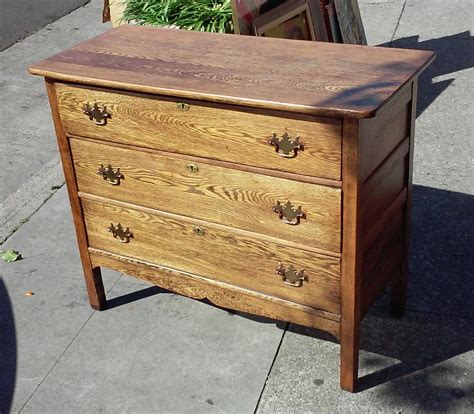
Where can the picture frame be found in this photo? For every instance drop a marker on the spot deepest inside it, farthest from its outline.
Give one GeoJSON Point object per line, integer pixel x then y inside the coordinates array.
{"type": "Point", "coordinates": [290, 20]}
{"type": "Point", "coordinates": [244, 12]}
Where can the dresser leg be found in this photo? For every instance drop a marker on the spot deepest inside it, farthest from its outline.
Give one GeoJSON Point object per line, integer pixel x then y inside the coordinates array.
{"type": "Point", "coordinates": [349, 358]}
{"type": "Point", "coordinates": [95, 287]}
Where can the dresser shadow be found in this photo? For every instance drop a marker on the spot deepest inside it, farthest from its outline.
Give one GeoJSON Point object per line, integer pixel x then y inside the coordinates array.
{"type": "Point", "coordinates": [453, 54]}
{"type": "Point", "coordinates": [439, 322]}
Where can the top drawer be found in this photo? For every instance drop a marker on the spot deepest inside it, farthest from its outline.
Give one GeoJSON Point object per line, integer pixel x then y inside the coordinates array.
{"type": "Point", "coordinates": [205, 130]}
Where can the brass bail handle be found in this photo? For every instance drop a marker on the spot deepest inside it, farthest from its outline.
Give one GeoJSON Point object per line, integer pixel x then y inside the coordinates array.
{"type": "Point", "coordinates": [290, 276]}
{"type": "Point", "coordinates": [120, 233]}
{"type": "Point", "coordinates": [97, 113]}
{"type": "Point", "coordinates": [286, 146]}
{"type": "Point", "coordinates": [110, 174]}
{"type": "Point", "coordinates": [288, 213]}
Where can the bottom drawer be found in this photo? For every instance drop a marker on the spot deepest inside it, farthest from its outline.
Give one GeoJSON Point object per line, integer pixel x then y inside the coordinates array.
{"type": "Point", "coordinates": [214, 252]}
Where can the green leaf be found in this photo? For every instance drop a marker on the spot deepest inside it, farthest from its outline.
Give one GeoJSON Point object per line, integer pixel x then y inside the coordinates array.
{"type": "Point", "coordinates": [200, 15]}
{"type": "Point", "coordinates": [11, 256]}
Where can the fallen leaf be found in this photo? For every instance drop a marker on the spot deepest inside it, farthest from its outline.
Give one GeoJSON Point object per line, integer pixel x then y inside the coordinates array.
{"type": "Point", "coordinates": [29, 293]}
{"type": "Point", "coordinates": [11, 256]}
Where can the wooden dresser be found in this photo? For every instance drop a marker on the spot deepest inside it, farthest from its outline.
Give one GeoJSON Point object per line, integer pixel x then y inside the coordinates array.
{"type": "Point", "coordinates": [269, 176]}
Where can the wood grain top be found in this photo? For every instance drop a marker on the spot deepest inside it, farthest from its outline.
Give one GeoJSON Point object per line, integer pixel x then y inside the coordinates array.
{"type": "Point", "coordinates": [316, 78]}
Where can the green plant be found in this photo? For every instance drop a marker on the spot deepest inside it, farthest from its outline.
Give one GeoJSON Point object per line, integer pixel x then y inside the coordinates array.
{"type": "Point", "coordinates": [198, 15]}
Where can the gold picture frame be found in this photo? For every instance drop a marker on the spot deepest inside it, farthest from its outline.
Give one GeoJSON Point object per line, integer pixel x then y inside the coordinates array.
{"type": "Point", "coordinates": [291, 20]}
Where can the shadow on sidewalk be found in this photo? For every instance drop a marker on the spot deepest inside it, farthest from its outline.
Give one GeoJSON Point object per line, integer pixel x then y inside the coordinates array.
{"type": "Point", "coordinates": [454, 53]}
{"type": "Point", "coordinates": [440, 325]}
{"type": "Point", "coordinates": [8, 351]}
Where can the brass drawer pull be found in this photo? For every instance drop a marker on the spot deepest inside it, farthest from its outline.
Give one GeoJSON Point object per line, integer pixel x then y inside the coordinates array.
{"type": "Point", "coordinates": [183, 107]}
{"type": "Point", "coordinates": [111, 175]}
{"type": "Point", "coordinates": [120, 233]}
{"type": "Point", "coordinates": [97, 113]}
{"type": "Point", "coordinates": [290, 276]}
{"type": "Point", "coordinates": [289, 147]}
{"type": "Point", "coordinates": [288, 214]}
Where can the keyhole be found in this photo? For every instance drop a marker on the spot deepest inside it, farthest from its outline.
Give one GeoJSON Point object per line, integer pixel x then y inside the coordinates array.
{"type": "Point", "coordinates": [192, 168]}
{"type": "Point", "coordinates": [183, 107]}
{"type": "Point", "coordinates": [198, 231]}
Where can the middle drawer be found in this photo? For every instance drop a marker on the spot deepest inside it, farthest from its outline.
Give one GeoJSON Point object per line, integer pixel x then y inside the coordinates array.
{"type": "Point", "coordinates": [303, 213]}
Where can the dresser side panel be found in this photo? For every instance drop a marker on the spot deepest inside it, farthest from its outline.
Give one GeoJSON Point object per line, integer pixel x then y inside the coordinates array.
{"type": "Point", "coordinates": [386, 191]}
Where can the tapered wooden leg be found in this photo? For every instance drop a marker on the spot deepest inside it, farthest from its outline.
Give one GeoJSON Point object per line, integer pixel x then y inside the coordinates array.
{"type": "Point", "coordinates": [95, 287]}
{"type": "Point", "coordinates": [351, 266]}
{"type": "Point", "coordinates": [349, 355]}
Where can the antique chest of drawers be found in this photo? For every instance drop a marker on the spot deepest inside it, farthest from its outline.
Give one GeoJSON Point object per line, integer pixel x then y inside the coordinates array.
{"type": "Point", "coordinates": [269, 176]}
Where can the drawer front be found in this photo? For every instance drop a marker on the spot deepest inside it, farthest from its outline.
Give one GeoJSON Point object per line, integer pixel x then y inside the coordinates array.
{"type": "Point", "coordinates": [205, 131]}
{"type": "Point", "coordinates": [226, 196]}
{"type": "Point", "coordinates": [218, 254]}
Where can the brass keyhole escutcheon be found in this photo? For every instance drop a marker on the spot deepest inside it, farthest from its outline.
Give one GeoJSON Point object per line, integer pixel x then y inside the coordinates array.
{"type": "Point", "coordinates": [199, 231]}
{"type": "Point", "coordinates": [192, 168]}
{"type": "Point", "coordinates": [183, 107]}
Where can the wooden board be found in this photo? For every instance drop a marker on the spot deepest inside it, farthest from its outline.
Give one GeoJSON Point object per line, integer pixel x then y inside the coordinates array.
{"type": "Point", "coordinates": [350, 22]}
{"type": "Point", "coordinates": [219, 253]}
{"type": "Point", "coordinates": [380, 135]}
{"type": "Point", "coordinates": [206, 131]}
{"type": "Point", "coordinates": [317, 78]}
{"type": "Point", "coordinates": [221, 195]}
{"type": "Point", "coordinates": [388, 180]}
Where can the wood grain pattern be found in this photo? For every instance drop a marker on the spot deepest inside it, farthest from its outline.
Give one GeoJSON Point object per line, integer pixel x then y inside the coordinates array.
{"type": "Point", "coordinates": [384, 220]}
{"type": "Point", "coordinates": [380, 135]}
{"type": "Point", "coordinates": [220, 294]}
{"type": "Point", "coordinates": [92, 274]}
{"type": "Point", "coordinates": [316, 78]}
{"type": "Point", "coordinates": [219, 254]}
{"type": "Point", "coordinates": [351, 262]}
{"type": "Point", "coordinates": [220, 195]}
{"type": "Point", "coordinates": [394, 229]}
{"type": "Point", "coordinates": [205, 131]}
{"type": "Point", "coordinates": [381, 188]}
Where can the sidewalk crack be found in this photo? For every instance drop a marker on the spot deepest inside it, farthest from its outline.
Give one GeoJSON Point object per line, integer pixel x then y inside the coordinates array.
{"type": "Point", "coordinates": [271, 367]}
{"type": "Point", "coordinates": [398, 23]}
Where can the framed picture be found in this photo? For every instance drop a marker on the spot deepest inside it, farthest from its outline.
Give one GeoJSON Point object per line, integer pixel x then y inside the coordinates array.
{"type": "Point", "coordinates": [244, 13]}
{"type": "Point", "coordinates": [291, 20]}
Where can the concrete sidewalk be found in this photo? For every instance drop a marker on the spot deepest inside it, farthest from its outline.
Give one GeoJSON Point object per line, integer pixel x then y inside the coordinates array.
{"type": "Point", "coordinates": [153, 351]}
{"type": "Point", "coordinates": [21, 18]}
